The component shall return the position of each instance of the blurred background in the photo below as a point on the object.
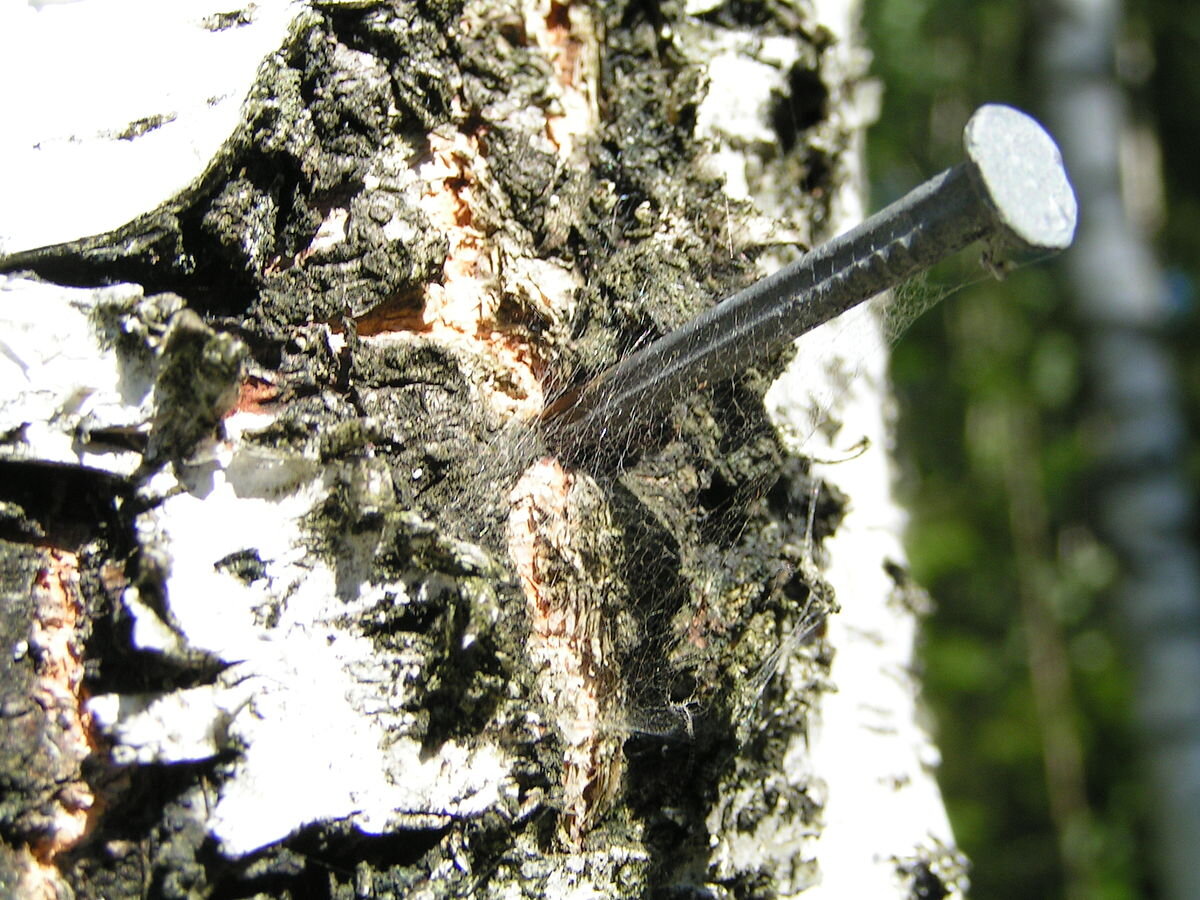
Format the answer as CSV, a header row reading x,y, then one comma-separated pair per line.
x,y
1044,430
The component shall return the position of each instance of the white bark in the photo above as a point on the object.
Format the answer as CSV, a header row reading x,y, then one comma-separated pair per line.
x,y
113,106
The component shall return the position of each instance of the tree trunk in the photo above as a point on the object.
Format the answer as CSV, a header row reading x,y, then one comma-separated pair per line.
x,y
303,602
1144,500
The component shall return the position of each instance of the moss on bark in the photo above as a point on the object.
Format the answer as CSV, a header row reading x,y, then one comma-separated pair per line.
x,y
705,568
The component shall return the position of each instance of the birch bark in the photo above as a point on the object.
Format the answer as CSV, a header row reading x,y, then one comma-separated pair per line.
x,y
312,609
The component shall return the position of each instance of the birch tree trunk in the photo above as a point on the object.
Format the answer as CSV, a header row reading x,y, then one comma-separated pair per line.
x,y
299,601
1144,502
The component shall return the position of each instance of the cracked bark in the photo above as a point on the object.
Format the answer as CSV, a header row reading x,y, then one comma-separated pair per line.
x,y
347,629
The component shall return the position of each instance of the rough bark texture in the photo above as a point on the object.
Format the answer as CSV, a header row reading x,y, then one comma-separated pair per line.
x,y
348,628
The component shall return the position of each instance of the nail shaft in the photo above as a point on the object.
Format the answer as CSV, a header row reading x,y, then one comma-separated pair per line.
x,y
1012,191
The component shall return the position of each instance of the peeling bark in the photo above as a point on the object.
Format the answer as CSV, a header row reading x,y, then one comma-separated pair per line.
x,y
354,629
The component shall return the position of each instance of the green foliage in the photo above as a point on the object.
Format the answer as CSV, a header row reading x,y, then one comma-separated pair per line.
x,y
995,445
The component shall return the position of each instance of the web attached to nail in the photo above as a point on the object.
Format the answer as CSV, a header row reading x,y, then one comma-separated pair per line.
x,y
671,578
615,620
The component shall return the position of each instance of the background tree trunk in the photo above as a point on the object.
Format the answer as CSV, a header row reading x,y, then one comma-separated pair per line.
x,y
1144,501
301,602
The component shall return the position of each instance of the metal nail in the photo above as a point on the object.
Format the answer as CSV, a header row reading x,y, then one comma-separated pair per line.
x,y
1012,191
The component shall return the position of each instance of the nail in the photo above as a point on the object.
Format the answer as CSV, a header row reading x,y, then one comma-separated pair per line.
x,y
1012,191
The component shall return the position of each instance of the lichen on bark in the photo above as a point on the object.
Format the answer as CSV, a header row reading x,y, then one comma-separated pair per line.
x,y
395,159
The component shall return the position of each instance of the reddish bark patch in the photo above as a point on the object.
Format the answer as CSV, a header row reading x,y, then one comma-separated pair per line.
x,y
568,643
255,395
60,692
570,49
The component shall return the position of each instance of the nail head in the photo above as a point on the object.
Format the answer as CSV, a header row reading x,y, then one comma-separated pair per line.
x,y
1021,171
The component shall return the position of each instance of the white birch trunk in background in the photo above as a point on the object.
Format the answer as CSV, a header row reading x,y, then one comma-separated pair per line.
x,y
1145,503
334,735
